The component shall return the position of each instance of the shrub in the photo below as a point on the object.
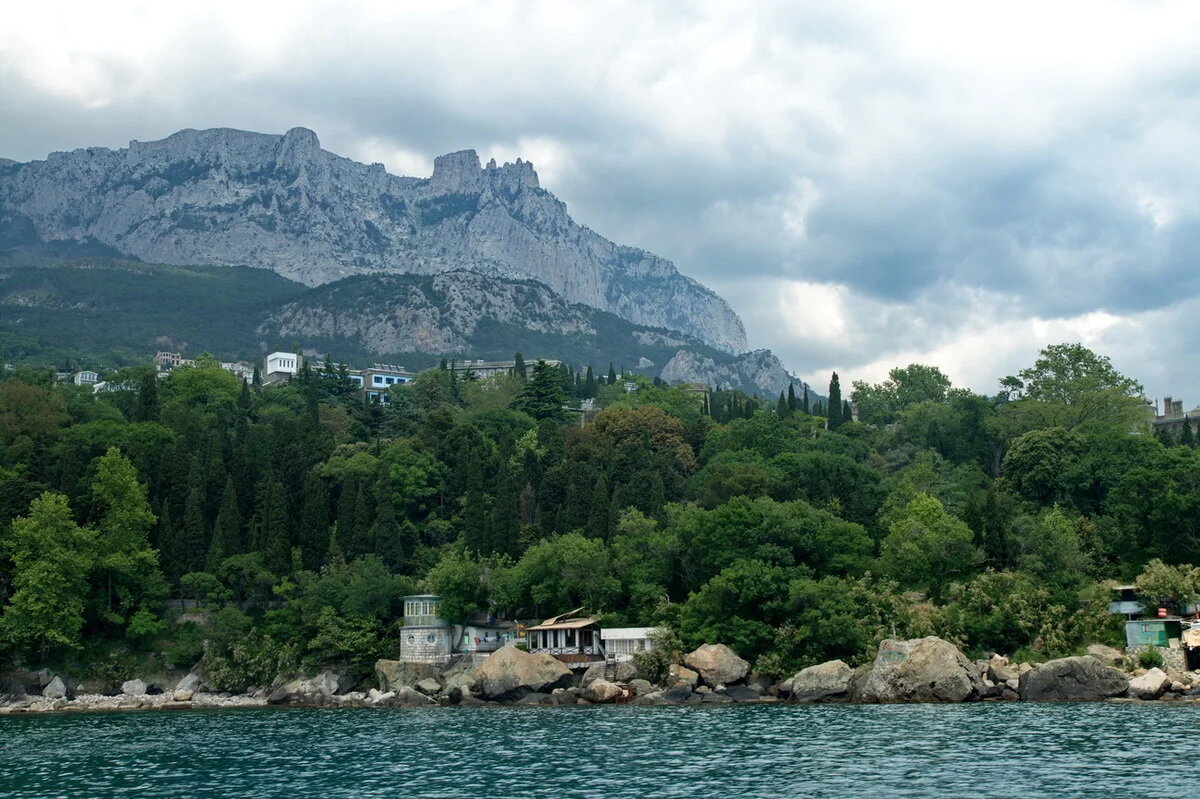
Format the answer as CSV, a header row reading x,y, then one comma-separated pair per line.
x,y
1150,658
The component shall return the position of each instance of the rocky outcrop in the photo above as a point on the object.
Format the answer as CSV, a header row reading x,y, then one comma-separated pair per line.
x,y
133,687
395,673
1106,654
56,689
440,314
758,372
1150,685
229,197
826,681
1072,679
677,673
509,674
920,670
601,691
717,664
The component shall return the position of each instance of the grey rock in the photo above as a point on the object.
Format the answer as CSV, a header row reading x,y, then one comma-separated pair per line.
x,y
406,696
679,692
824,681
601,691
1151,685
757,372
677,672
470,701
509,674
1073,678
999,670
55,689
536,698
641,687
626,670
716,697
394,673
182,694
133,688
920,670
1106,654
429,686
742,693
561,696
717,664
190,682
230,197
591,674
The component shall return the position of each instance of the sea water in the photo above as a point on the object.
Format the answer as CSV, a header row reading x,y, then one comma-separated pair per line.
x,y
975,750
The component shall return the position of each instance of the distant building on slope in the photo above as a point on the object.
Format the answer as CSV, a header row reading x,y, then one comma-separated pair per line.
x,y
280,366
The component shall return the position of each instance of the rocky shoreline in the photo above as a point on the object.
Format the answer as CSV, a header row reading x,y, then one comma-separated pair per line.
x,y
914,671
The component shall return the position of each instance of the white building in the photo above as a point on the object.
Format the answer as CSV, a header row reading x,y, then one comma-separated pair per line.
x,y
622,643
85,378
280,366
379,378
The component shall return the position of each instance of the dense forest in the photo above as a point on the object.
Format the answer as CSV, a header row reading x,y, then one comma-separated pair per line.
x,y
295,516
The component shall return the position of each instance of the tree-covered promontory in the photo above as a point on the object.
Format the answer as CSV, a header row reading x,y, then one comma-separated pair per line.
x,y
291,518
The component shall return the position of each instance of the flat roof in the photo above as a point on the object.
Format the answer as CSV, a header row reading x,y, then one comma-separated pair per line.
x,y
610,633
568,624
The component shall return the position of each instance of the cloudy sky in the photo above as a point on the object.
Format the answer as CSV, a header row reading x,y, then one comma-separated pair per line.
x,y
868,184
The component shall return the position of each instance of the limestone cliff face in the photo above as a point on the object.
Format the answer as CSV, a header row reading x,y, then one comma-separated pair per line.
x,y
230,197
757,372
437,316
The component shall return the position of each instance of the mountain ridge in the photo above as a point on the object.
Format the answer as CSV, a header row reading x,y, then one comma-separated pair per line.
x,y
228,197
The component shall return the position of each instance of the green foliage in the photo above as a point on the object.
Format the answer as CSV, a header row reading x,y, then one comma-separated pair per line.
x,y
926,546
1163,585
1150,658
51,556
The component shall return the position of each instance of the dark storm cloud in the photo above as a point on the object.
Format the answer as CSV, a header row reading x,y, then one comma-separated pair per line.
x,y
933,166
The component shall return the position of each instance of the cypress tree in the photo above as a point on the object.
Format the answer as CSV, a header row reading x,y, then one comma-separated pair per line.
x,y
599,521
1186,437
847,412
612,374
835,403
146,408
385,533
271,523
519,366
363,518
347,515
792,403
244,397
805,407
195,532
256,380
474,513
506,514
227,530
589,384
781,407
314,522
542,397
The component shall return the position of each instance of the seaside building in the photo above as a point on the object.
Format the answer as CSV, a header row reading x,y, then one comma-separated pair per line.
x,y
571,637
622,643
426,637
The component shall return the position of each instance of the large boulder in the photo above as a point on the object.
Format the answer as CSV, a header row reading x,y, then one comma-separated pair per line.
x,y
601,691
1150,685
717,664
999,670
677,673
133,688
920,670
509,674
679,692
829,680
1074,678
1106,654
394,673
56,689
591,674
626,671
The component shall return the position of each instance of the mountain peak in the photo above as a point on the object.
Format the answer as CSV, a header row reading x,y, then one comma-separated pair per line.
x,y
230,197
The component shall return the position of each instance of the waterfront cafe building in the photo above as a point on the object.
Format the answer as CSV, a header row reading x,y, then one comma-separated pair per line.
x,y
571,637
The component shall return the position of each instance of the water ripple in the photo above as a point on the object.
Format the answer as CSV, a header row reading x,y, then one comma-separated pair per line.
x,y
749,752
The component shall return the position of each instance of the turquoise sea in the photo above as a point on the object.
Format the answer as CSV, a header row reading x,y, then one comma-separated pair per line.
x,y
981,750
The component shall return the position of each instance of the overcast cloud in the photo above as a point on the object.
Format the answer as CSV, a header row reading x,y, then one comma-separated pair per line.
x,y
868,184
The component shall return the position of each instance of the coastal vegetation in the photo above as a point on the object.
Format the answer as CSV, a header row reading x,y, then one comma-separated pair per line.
x,y
258,529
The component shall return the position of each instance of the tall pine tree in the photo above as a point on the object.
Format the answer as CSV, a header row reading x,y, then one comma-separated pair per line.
x,y
835,403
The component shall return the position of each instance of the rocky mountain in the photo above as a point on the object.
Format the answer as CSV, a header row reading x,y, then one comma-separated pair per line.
x,y
227,197
758,372
108,311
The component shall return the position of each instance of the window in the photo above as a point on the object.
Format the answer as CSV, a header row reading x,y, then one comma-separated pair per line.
x,y
412,639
